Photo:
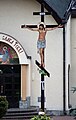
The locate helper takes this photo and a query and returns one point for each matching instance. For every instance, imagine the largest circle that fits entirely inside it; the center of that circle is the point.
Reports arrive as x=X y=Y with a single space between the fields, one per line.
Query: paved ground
x=63 y=118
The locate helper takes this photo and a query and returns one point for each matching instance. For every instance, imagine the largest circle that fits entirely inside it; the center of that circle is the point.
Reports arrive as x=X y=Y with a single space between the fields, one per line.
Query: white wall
x=68 y=57
x=73 y=63
x=13 y=13
x=54 y=64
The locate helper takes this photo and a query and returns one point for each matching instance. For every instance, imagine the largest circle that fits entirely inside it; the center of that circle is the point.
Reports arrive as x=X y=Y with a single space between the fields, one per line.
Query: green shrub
x=41 y=117
x=3 y=106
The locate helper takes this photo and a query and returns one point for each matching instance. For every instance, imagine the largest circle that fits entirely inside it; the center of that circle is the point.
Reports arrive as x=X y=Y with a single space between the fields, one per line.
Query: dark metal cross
x=42 y=14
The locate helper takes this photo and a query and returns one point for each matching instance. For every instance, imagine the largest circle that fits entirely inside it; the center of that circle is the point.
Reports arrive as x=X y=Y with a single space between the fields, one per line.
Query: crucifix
x=43 y=70
x=42 y=13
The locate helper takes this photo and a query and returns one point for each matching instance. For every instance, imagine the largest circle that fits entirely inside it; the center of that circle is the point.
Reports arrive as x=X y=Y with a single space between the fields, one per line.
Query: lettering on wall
x=14 y=43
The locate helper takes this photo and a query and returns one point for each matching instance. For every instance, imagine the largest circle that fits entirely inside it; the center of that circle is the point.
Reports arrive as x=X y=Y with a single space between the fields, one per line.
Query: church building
x=20 y=77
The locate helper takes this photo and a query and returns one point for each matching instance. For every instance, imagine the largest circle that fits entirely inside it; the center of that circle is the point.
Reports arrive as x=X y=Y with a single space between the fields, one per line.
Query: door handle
x=1 y=88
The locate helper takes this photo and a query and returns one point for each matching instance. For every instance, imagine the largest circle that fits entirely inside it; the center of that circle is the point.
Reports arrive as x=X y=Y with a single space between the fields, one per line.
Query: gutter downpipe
x=64 y=95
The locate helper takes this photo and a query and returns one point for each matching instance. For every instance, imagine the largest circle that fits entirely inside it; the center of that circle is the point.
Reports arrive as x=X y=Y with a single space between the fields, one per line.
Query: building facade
x=19 y=76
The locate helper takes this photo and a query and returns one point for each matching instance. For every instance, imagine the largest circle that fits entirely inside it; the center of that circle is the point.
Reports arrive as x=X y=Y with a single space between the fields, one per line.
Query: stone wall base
x=24 y=103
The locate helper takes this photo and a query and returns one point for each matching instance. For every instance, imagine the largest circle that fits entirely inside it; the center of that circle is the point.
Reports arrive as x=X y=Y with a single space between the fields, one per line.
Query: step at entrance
x=21 y=114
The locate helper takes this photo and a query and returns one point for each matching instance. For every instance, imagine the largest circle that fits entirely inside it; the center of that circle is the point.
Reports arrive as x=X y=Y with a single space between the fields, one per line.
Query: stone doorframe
x=25 y=86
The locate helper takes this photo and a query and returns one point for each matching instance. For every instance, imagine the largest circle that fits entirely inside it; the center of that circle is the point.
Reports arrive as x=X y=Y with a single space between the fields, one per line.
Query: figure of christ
x=41 y=42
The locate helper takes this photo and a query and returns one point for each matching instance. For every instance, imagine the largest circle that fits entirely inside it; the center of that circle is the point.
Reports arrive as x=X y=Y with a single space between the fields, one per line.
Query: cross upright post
x=42 y=13
x=42 y=76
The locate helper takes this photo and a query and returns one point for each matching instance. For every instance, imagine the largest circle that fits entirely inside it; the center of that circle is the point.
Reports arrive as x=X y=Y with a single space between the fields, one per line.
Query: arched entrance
x=13 y=68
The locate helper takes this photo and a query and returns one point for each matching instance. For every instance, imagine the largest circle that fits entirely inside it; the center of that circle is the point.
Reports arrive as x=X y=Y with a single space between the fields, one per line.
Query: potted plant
x=41 y=116
x=3 y=106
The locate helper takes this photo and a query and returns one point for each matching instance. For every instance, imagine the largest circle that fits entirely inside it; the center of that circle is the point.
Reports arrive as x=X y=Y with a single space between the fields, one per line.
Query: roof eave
x=73 y=13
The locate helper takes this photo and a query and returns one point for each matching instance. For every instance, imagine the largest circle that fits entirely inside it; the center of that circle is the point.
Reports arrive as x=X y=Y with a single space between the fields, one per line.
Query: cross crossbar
x=35 y=26
x=42 y=68
x=42 y=13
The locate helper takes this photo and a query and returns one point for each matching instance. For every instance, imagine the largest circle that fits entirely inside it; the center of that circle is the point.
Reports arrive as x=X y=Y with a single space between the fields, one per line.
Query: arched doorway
x=10 y=75
x=14 y=71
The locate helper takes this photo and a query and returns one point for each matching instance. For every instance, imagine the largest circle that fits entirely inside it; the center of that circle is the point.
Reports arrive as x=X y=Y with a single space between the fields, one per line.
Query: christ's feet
x=42 y=65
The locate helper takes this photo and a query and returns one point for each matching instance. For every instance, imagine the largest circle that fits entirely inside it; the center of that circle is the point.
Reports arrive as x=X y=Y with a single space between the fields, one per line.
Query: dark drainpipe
x=64 y=95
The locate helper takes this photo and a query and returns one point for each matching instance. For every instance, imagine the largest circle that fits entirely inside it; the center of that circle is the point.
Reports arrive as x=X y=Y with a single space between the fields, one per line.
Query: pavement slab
x=63 y=118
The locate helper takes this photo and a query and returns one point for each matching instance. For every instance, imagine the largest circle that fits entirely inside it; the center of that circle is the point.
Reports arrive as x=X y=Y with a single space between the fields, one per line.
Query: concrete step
x=21 y=114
